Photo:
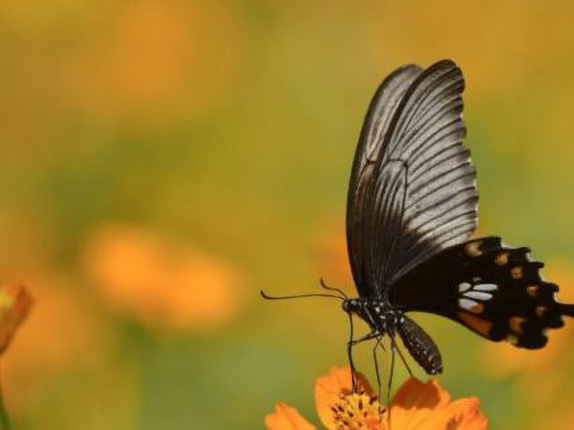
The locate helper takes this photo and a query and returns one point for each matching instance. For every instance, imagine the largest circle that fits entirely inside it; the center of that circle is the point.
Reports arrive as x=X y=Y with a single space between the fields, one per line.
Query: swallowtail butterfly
x=411 y=212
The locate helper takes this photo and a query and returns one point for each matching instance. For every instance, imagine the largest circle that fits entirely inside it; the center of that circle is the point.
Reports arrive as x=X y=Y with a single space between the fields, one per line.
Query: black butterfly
x=411 y=210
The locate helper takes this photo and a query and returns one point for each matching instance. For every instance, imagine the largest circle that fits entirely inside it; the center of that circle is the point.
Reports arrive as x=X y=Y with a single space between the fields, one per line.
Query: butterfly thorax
x=377 y=313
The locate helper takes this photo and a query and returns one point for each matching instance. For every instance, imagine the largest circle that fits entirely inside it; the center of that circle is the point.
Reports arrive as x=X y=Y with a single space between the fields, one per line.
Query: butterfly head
x=353 y=306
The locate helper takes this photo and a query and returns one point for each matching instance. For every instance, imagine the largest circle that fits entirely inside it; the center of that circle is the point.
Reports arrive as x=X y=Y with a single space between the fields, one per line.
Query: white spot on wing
x=463 y=286
x=467 y=304
x=485 y=287
x=479 y=295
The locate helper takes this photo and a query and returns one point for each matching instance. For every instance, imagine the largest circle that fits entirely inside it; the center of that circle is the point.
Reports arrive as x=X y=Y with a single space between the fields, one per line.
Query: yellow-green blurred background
x=163 y=160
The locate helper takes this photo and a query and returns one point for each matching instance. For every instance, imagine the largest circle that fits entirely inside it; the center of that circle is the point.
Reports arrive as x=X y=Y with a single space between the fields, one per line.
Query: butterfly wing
x=412 y=191
x=381 y=111
x=495 y=291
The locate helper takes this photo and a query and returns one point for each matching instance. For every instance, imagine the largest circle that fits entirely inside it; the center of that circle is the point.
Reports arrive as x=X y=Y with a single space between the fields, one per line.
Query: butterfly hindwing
x=494 y=290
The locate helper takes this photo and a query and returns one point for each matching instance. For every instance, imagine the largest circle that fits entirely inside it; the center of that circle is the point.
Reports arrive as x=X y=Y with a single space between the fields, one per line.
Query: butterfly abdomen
x=420 y=345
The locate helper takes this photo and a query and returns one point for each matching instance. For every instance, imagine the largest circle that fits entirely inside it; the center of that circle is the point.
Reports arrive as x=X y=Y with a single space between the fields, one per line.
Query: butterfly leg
x=350 y=353
x=402 y=357
x=391 y=373
x=351 y=343
x=377 y=344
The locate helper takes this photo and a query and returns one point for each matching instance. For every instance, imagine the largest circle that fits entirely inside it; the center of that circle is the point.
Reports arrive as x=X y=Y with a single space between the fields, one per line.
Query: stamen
x=357 y=411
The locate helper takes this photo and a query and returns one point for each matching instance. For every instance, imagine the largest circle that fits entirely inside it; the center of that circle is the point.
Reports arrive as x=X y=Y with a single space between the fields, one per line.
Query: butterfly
x=412 y=208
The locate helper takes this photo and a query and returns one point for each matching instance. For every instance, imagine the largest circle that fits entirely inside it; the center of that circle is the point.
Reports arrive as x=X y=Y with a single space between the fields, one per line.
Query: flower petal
x=415 y=405
x=286 y=418
x=329 y=388
x=418 y=405
x=415 y=394
x=466 y=415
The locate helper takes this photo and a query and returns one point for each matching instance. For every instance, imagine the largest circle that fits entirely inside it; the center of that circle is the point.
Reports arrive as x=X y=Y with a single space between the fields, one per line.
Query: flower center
x=357 y=411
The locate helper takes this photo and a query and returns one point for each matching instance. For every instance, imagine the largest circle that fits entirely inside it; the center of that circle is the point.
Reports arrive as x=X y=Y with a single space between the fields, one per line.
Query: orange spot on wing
x=479 y=325
x=515 y=324
x=501 y=259
x=477 y=309
x=516 y=272
x=473 y=249
x=532 y=291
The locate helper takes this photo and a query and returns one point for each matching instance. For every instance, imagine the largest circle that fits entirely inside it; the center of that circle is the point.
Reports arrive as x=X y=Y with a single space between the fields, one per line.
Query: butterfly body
x=376 y=313
x=411 y=212
x=412 y=208
x=385 y=319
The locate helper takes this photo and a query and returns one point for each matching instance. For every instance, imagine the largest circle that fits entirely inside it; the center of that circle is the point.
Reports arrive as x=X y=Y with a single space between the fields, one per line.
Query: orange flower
x=415 y=406
x=62 y=335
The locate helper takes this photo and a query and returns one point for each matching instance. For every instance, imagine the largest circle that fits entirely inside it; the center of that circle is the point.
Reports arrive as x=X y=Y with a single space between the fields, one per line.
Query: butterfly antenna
x=327 y=287
x=298 y=296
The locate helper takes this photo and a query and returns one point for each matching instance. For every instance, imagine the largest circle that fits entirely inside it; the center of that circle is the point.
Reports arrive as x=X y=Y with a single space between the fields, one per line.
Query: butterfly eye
x=351 y=305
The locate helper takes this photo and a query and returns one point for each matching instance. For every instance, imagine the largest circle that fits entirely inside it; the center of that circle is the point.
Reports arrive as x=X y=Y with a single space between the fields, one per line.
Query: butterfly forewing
x=381 y=111
x=412 y=191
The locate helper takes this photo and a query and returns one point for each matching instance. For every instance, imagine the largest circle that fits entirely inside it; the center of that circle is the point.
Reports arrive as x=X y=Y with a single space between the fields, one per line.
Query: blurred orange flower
x=415 y=406
x=155 y=58
x=164 y=287
x=63 y=334
x=15 y=305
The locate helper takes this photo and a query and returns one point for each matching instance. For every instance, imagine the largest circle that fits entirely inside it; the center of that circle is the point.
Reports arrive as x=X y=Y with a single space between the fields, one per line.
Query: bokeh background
x=163 y=160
